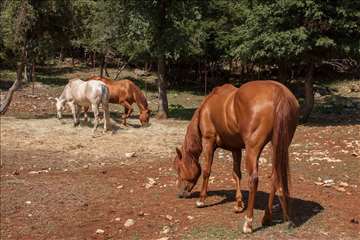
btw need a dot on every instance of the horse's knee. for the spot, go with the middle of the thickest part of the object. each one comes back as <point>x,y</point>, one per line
<point>254,180</point>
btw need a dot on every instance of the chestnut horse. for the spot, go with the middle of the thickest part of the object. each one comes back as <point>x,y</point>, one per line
<point>125,93</point>
<point>235,118</point>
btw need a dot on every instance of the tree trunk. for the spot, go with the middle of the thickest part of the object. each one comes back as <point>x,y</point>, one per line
<point>309,95</point>
<point>102,66</point>
<point>94,59</point>
<point>4,105</point>
<point>283,72</point>
<point>162,85</point>
<point>28,72</point>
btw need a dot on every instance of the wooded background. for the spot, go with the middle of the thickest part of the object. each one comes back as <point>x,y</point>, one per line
<point>186,42</point>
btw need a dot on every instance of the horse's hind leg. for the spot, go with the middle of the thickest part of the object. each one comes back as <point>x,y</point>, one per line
<point>106,116</point>
<point>252,154</point>
<point>86,118</point>
<point>267,218</point>
<point>208,149</point>
<point>95,109</point>
<point>237,177</point>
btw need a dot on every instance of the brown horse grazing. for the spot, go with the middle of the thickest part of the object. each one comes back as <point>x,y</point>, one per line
<point>125,92</point>
<point>235,118</point>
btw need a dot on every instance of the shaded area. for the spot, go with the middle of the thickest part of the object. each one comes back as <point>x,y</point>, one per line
<point>301,210</point>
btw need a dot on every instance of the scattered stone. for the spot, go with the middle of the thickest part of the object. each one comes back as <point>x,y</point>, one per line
<point>319,183</point>
<point>28,202</point>
<point>141,214</point>
<point>354,221</point>
<point>99,231</point>
<point>169,217</point>
<point>151,183</point>
<point>130,154</point>
<point>328,183</point>
<point>262,160</point>
<point>166,230</point>
<point>120,187</point>
<point>190,217</point>
<point>129,222</point>
<point>117,219</point>
<point>343,184</point>
<point>38,172</point>
<point>16,172</point>
<point>340,189</point>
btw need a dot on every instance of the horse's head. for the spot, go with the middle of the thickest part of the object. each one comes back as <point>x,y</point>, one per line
<point>188,171</point>
<point>144,117</point>
<point>60,105</point>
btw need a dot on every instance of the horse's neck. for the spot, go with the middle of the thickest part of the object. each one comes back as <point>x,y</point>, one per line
<point>140,100</point>
<point>192,144</point>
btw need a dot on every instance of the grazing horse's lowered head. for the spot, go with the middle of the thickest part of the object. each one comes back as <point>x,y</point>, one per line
<point>144,117</point>
<point>187,175</point>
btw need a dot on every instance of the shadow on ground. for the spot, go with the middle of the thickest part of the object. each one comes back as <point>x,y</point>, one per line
<point>303,210</point>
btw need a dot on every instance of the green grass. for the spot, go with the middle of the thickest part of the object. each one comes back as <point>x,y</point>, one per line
<point>212,233</point>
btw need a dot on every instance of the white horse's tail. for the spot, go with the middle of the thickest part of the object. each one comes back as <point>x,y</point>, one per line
<point>105,97</point>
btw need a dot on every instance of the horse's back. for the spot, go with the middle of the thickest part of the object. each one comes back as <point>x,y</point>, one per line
<point>234,113</point>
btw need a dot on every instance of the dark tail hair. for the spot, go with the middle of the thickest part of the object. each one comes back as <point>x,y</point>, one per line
<point>286,117</point>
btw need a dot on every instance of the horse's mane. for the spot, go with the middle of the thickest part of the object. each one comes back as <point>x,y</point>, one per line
<point>139,96</point>
<point>192,144</point>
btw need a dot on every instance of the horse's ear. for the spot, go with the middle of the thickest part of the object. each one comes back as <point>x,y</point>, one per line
<point>178,151</point>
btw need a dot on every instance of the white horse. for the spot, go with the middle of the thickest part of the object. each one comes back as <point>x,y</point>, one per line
<point>78,93</point>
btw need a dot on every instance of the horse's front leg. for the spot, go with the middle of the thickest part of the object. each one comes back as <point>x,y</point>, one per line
<point>95,109</point>
<point>127,111</point>
<point>73,108</point>
<point>239,207</point>
<point>208,149</point>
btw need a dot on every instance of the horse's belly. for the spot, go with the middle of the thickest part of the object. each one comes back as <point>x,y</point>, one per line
<point>230,142</point>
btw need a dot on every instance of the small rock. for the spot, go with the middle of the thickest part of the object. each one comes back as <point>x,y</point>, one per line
<point>343,184</point>
<point>354,221</point>
<point>340,189</point>
<point>28,202</point>
<point>169,217</point>
<point>166,230</point>
<point>130,154</point>
<point>190,217</point>
<point>129,223</point>
<point>319,183</point>
<point>141,214</point>
<point>16,172</point>
<point>151,183</point>
<point>120,187</point>
<point>99,231</point>
<point>117,219</point>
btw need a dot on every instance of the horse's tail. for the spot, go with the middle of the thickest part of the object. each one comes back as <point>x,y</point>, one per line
<point>105,97</point>
<point>286,117</point>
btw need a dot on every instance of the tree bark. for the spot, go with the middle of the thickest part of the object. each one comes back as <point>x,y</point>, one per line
<point>309,95</point>
<point>4,105</point>
<point>283,72</point>
<point>162,85</point>
<point>102,66</point>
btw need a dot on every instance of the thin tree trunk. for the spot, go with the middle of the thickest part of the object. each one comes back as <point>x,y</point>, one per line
<point>102,66</point>
<point>309,95</point>
<point>162,85</point>
<point>4,105</point>
<point>283,72</point>
<point>94,59</point>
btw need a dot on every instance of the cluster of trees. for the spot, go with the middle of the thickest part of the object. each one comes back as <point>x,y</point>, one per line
<point>176,35</point>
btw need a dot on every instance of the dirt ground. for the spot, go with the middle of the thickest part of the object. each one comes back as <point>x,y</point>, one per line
<point>62,182</point>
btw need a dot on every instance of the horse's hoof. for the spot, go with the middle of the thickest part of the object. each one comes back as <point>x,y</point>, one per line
<point>247,228</point>
<point>266,221</point>
<point>290,225</point>
<point>238,209</point>
<point>200,204</point>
